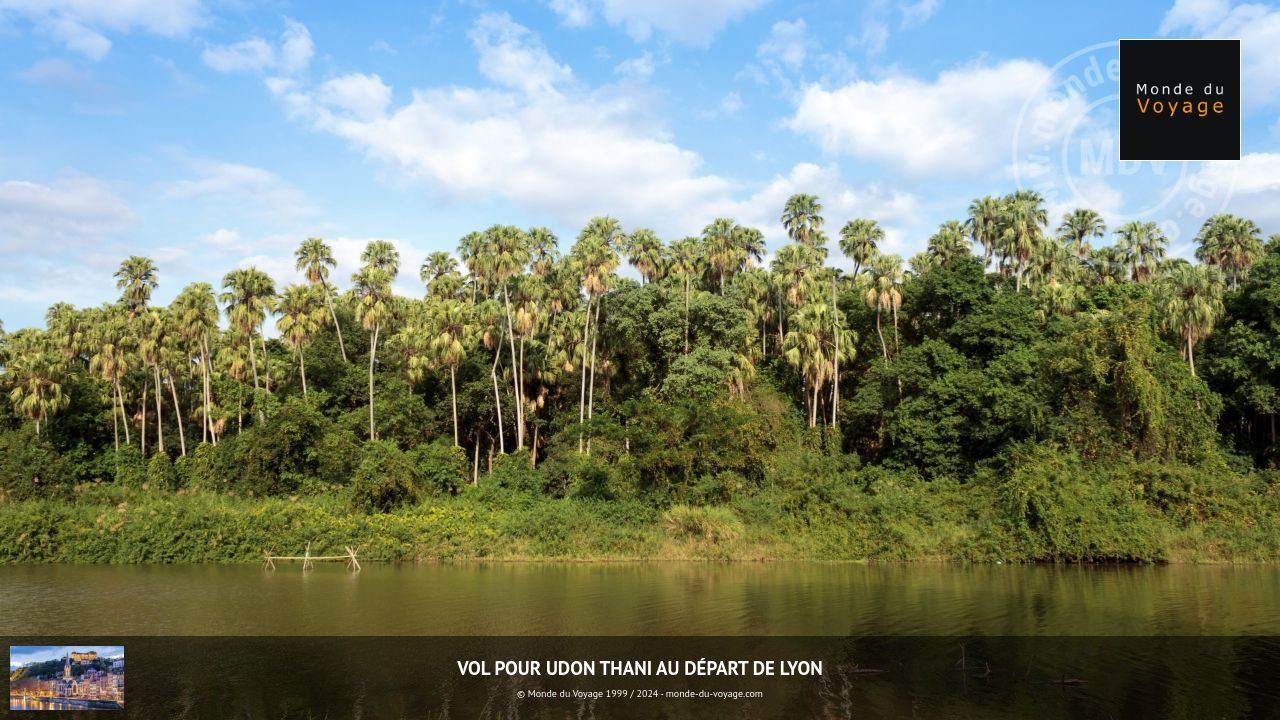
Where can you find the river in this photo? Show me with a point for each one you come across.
(966, 641)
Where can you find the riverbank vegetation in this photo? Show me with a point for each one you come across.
(1010, 394)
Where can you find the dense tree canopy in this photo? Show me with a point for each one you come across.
(685, 373)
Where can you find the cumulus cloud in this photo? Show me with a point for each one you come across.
(290, 56)
(787, 44)
(361, 96)
(690, 23)
(1258, 28)
(961, 123)
(238, 187)
(1253, 184)
(537, 138)
(82, 25)
(36, 217)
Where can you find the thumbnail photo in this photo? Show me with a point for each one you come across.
(63, 677)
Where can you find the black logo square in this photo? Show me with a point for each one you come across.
(1179, 99)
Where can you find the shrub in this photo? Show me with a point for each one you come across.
(384, 480)
(30, 467)
(160, 472)
(440, 467)
(707, 524)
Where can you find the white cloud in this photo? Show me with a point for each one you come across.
(786, 43)
(363, 96)
(690, 23)
(237, 187)
(1258, 28)
(639, 68)
(81, 25)
(898, 212)
(255, 54)
(222, 238)
(538, 139)
(35, 217)
(919, 12)
(1254, 186)
(86, 93)
(961, 123)
(513, 56)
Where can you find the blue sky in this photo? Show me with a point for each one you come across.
(26, 654)
(211, 134)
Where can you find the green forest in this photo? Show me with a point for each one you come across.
(1026, 389)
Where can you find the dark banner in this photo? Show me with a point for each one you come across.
(279, 678)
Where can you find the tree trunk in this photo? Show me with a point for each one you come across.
(582, 393)
(373, 354)
(143, 438)
(591, 392)
(328, 299)
(515, 372)
(686, 313)
(266, 360)
(177, 413)
(453, 392)
(883, 347)
(115, 426)
(475, 466)
(159, 415)
(1191, 357)
(835, 360)
(302, 370)
(497, 397)
(123, 417)
(208, 390)
(533, 449)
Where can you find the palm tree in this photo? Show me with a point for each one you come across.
(802, 218)
(984, 219)
(543, 251)
(795, 265)
(686, 261)
(881, 293)
(1078, 226)
(150, 347)
(111, 358)
(247, 295)
(1021, 230)
(439, 272)
(301, 317)
(723, 253)
(136, 278)
(596, 256)
(196, 311)
(34, 372)
(949, 243)
(452, 331)
(1191, 302)
(372, 288)
(1143, 246)
(1231, 243)
(315, 259)
(645, 252)
(859, 240)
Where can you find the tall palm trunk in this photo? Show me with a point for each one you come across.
(123, 417)
(515, 371)
(266, 360)
(1191, 356)
(591, 393)
(328, 299)
(159, 406)
(302, 370)
(373, 354)
(115, 426)
(143, 438)
(497, 396)
(208, 391)
(835, 360)
(883, 347)
(177, 413)
(453, 393)
(686, 313)
(582, 393)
